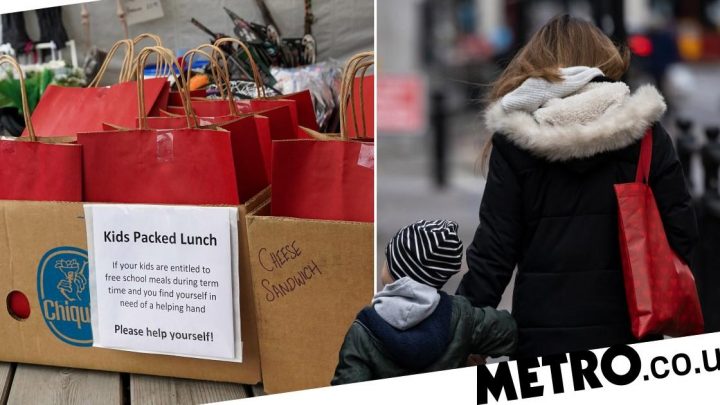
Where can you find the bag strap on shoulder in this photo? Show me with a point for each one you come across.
(642, 175)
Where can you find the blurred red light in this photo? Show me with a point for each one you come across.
(640, 45)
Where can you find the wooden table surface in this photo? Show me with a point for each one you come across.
(32, 384)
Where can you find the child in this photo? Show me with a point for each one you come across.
(411, 326)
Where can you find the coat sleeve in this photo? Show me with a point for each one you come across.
(353, 365)
(494, 332)
(668, 184)
(494, 251)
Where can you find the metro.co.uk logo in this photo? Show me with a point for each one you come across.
(523, 379)
(63, 291)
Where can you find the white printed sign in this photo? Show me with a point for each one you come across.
(139, 11)
(164, 279)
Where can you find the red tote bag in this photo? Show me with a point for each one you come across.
(250, 133)
(331, 180)
(250, 138)
(660, 288)
(178, 166)
(38, 171)
(300, 104)
(267, 126)
(299, 113)
(175, 166)
(223, 106)
(65, 111)
(330, 177)
(175, 99)
(305, 109)
(363, 103)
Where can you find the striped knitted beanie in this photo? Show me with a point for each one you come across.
(428, 252)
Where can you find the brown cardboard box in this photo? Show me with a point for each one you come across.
(28, 232)
(310, 279)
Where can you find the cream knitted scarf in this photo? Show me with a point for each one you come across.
(535, 92)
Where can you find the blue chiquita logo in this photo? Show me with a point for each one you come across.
(63, 290)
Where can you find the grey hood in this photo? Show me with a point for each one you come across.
(598, 117)
(405, 303)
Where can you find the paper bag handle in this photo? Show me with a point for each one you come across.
(147, 35)
(158, 64)
(362, 67)
(125, 67)
(214, 68)
(23, 94)
(257, 77)
(360, 62)
(319, 136)
(169, 59)
(222, 76)
(224, 70)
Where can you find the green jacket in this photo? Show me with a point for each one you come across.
(365, 356)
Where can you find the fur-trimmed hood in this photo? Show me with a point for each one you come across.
(600, 117)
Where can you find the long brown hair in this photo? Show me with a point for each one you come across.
(562, 42)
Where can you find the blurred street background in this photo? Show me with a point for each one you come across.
(437, 58)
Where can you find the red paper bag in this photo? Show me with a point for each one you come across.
(179, 166)
(305, 110)
(161, 102)
(362, 107)
(331, 180)
(204, 108)
(282, 112)
(175, 99)
(265, 104)
(38, 171)
(64, 111)
(251, 143)
(281, 123)
(300, 104)
(250, 140)
(175, 166)
(659, 287)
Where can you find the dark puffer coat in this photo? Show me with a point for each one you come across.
(549, 207)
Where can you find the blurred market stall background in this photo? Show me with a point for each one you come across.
(341, 27)
(65, 45)
(436, 59)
